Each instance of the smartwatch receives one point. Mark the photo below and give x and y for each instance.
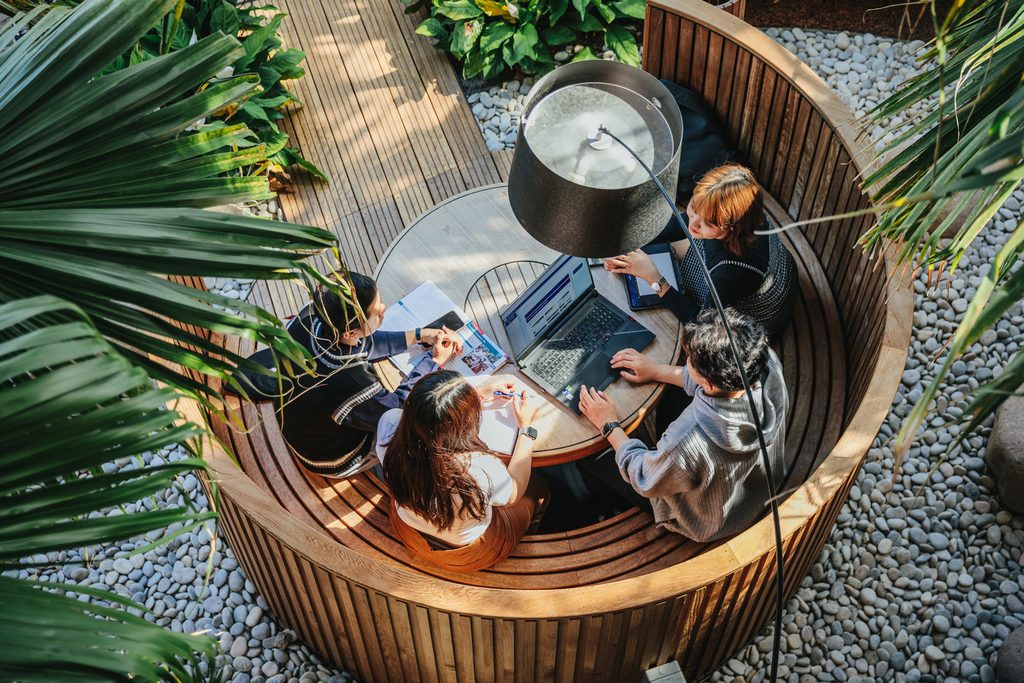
(609, 427)
(419, 334)
(529, 432)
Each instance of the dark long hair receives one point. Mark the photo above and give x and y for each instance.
(423, 466)
(339, 313)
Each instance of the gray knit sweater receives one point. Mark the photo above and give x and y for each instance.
(706, 477)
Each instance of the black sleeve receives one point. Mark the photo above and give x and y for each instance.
(680, 304)
(732, 285)
(367, 414)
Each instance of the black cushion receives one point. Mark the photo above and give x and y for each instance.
(704, 143)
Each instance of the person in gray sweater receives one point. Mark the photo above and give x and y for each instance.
(706, 478)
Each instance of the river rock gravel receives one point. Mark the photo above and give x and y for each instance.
(919, 581)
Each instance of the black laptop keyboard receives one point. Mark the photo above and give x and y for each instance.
(559, 358)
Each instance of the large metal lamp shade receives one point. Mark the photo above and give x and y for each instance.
(579, 192)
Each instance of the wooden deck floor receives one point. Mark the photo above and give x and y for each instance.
(386, 120)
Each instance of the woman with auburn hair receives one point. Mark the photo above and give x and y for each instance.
(453, 501)
(753, 273)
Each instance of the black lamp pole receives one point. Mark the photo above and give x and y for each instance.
(571, 194)
(772, 491)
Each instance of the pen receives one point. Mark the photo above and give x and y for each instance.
(504, 394)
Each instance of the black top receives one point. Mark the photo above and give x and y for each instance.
(332, 416)
(761, 283)
(735, 278)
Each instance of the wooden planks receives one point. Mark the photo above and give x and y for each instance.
(386, 120)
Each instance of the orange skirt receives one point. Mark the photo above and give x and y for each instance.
(508, 524)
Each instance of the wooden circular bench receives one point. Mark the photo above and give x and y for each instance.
(605, 602)
(353, 512)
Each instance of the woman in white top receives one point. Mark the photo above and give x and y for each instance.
(453, 501)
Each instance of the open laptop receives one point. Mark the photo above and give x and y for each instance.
(563, 333)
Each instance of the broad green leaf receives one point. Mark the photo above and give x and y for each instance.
(432, 28)
(606, 12)
(632, 9)
(494, 35)
(581, 7)
(258, 40)
(584, 55)
(473, 64)
(523, 43)
(556, 10)
(493, 66)
(464, 36)
(557, 37)
(623, 44)
(224, 18)
(287, 64)
(458, 9)
(587, 24)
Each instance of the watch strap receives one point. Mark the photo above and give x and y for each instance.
(609, 427)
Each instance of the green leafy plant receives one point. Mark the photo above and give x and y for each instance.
(256, 26)
(106, 202)
(71, 404)
(492, 38)
(952, 169)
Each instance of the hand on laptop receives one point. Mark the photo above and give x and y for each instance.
(634, 367)
(597, 407)
(637, 263)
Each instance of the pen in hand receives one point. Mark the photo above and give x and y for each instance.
(505, 394)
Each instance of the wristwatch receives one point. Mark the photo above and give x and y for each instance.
(419, 334)
(610, 427)
(529, 432)
(658, 284)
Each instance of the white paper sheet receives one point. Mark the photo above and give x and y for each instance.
(663, 262)
(498, 427)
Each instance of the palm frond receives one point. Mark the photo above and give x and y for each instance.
(71, 404)
(52, 637)
(109, 172)
(956, 166)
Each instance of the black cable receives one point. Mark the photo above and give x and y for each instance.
(772, 492)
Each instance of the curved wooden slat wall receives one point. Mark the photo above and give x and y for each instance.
(388, 623)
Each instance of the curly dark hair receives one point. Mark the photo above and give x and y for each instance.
(707, 346)
(424, 466)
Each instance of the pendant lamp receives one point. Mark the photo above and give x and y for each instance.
(573, 188)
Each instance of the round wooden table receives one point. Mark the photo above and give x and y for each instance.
(473, 248)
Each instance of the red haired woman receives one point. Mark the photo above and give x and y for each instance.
(752, 273)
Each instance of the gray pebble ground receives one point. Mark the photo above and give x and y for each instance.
(906, 589)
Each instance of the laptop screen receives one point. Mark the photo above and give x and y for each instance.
(531, 315)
